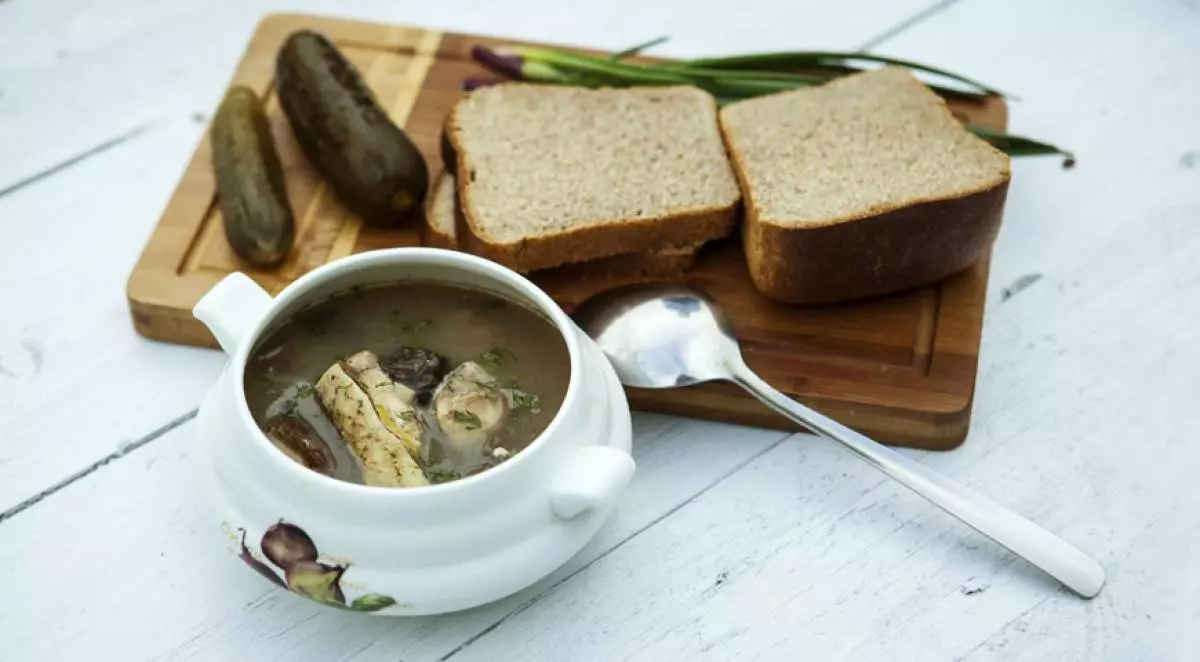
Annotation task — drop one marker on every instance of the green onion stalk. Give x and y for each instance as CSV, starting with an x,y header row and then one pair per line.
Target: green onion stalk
x,y
734,78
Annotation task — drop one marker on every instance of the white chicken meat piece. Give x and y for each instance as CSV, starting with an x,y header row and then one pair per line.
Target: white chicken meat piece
x,y
382,446
393,401
469,406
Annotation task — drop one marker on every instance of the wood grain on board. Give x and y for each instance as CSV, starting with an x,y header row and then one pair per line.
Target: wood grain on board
x,y
900,368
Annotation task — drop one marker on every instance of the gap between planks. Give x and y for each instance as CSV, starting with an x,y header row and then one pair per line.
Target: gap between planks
x,y
422,61
343,246
128,448
769,446
122,451
621,543
70,162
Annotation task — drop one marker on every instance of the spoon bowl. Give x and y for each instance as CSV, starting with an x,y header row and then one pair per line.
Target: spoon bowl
x,y
668,336
660,336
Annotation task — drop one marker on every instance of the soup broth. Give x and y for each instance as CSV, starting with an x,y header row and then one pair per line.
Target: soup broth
x,y
407,384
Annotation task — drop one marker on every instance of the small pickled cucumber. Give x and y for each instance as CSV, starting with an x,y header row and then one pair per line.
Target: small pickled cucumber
x,y
257,219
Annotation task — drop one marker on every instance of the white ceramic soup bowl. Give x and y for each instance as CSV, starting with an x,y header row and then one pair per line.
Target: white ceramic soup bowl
x,y
409,551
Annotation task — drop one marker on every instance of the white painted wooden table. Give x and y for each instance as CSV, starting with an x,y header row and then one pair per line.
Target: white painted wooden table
x,y
732,543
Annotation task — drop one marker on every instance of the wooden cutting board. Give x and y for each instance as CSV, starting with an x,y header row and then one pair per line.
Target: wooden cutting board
x,y
900,368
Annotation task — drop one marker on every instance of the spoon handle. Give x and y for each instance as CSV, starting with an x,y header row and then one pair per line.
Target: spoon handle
x,y
1058,558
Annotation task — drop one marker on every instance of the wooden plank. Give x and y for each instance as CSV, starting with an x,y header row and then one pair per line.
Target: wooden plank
x,y
164,584
83,70
1085,409
806,553
803,554
1086,401
900,368
67,349
77,75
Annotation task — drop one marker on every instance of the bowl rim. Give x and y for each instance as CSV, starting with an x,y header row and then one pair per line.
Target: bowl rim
x,y
398,258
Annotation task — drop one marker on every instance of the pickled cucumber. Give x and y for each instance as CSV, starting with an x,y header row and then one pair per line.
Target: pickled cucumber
x,y
257,219
368,161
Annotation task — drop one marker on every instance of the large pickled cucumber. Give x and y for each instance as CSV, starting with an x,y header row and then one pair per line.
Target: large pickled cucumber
x,y
258,221
369,162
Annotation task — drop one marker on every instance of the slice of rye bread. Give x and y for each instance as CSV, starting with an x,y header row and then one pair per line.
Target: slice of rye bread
x,y
441,232
551,175
863,186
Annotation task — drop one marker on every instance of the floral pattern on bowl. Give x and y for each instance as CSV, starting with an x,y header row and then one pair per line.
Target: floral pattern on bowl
x,y
288,547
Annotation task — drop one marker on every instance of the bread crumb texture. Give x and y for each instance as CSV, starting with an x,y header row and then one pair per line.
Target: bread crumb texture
x,y
853,148
545,159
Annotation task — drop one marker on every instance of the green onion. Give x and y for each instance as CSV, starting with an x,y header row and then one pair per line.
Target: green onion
x,y
438,475
494,357
523,400
732,78
829,63
1021,146
546,65
469,419
818,59
636,50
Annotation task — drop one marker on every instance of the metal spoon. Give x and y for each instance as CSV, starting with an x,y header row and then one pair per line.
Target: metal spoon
x,y
666,336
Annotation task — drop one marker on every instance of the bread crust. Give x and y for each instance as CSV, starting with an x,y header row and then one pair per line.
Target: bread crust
x,y
433,235
868,254
662,264
653,264
887,252
599,241
686,227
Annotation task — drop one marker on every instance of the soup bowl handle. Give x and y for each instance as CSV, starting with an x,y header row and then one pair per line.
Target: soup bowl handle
x,y
593,478
231,309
